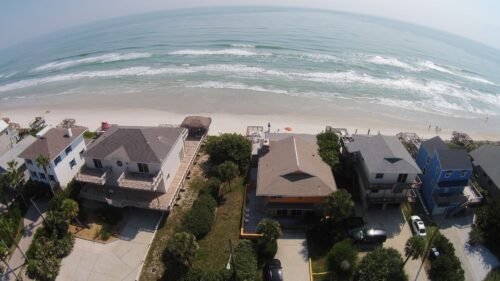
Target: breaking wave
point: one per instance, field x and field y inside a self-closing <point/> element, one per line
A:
<point x="227" y="52"/>
<point x="111" y="57"/>
<point x="390" y="61"/>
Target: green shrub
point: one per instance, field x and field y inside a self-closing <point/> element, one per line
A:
<point x="267" y="249"/>
<point x="494" y="275"/>
<point x="446" y="268"/>
<point x="213" y="186"/>
<point x="199" y="219"/>
<point x="245" y="261"/>
<point x="329" y="148"/>
<point x="105" y="232"/>
<point x="381" y="264"/>
<point x="230" y="147"/>
<point x="342" y="258"/>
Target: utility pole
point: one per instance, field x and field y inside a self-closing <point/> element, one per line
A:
<point x="232" y="259"/>
<point x="14" y="240"/>
<point x="429" y="245"/>
<point x="38" y="210"/>
<point x="9" y="268"/>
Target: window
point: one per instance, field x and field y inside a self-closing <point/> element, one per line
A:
<point x="34" y="175"/>
<point x="68" y="150"/>
<point x="423" y="171"/>
<point x="379" y="176"/>
<point x="374" y="191"/>
<point x="30" y="162"/>
<point x="168" y="176"/>
<point x="296" y="213"/>
<point x="42" y="176"/>
<point x="57" y="160"/>
<point x="143" y="168"/>
<point x="437" y="170"/>
<point x="181" y="154"/>
<point x="402" y="178"/>
<point x="447" y="174"/>
<point x="282" y="212"/>
<point x="51" y="178"/>
<point x="428" y="160"/>
<point x="97" y="163"/>
<point x="119" y="163"/>
<point x="81" y="153"/>
<point x="464" y="173"/>
<point x="72" y="163"/>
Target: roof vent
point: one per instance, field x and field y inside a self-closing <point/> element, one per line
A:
<point x="69" y="133"/>
<point x="392" y="160"/>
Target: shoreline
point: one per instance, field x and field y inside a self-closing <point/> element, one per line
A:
<point x="233" y="111"/>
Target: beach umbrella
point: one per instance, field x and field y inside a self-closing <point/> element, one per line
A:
<point x="289" y="129"/>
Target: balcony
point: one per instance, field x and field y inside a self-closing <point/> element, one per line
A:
<point x="445" y="200"/>
<point x="92" y="175"/>
<point x="389" y="196"/>
<point x="398" y="185"/>
<point x="140" y="181"/>
<point x="472" y="193"/>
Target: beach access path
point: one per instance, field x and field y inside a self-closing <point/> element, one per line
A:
<point x="32" y="221"/>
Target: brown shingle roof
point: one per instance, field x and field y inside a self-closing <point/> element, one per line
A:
<point x="196" y="122"/>
<point x="293" y="168"/>
<point x="135" y="144"/>
<point x="52" y="143"/>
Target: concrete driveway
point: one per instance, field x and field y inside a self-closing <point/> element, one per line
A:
<point x="292" y="252"/>
<point x="398" y="232"/>
<point x="118" y="260"/>
<point x="476" y="261"/>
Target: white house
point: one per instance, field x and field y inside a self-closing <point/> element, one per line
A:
<point x="133" y="166"/>
<point x="8" y="137"/>
<point x="13" y="155"/>
<point x="64" y="147"/>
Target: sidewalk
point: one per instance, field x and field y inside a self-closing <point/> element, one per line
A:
<point x="32" y="221"/>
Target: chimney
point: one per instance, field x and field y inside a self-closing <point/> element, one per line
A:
<point x="69" y="133"/>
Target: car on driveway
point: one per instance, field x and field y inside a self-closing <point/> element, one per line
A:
<point x="418" y="226"/>
<point x="273" y="271"/>
<point x="368" y="235"/>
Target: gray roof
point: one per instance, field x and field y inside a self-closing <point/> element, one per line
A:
<point x="293" y="168"/>
<point x="135" y="144"/>
<point x="434" y="143"/>
<point x="13" y="153"/>
<point x="383" y="154"/>
<point x="450" y="158"/>
<point x="52" y="143"/>
<point x="487" y="157"/>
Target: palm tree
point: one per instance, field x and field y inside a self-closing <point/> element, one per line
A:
<point x="414" y="248"/>
<point x="339" y="205"/>
<point x="15" y="178"/>
<point x="70" y="210"/>
<point x="182" y="248"/>
<point x="270" y="229"/>
<point x="44" y="162"/>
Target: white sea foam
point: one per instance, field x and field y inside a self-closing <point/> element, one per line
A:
<point x="7" y="75"/>
<point x="242" y="45"/>
<point x="111" y="57"/>
<point x="427" y="64"/>
<point x="226" y="52"/>
<point x="390" y="61"/>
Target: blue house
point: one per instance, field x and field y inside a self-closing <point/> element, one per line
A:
<point x="445" y="177"/>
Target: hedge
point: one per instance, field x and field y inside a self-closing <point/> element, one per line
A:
<point x="199" y="219"/>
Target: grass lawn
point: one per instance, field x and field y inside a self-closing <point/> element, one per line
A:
<point x="214" y="248"/>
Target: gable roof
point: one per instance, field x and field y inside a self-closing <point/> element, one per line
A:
<point x="383" y="154"/>
<point x="450" y="159"/>
<point x="135" y="144"/>
<point x="13" y="153"/>
<point x="434" y="143"/>
<point x="293" y="168"/>
<point x="486" y="156"/>
<point x="52" y="143"/>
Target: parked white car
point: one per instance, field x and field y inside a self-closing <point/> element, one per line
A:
<point x="418" y="226"/>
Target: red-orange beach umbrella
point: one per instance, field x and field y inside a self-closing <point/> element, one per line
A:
<point x="289" y="129"/>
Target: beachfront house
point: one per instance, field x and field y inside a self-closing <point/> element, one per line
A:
<point x="63" y="148"/>
<point x="386" y="174"/>
<point x="292" y="179"/>
<point x="446" y="187"/>
<point x="8" y="137"/>
<point x="134" y="166"/>
<point x="486" y="164"/>
<point x="13" y="155"/>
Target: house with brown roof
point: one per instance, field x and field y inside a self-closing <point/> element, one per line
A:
<point x="64" y="148"/>
<point x="292" y="178"/>
<point x="134" y="166"/>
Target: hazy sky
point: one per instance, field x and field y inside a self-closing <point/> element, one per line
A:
<point x="21" y="20"/>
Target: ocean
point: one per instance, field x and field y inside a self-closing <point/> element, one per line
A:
<point x="335" y="58"/>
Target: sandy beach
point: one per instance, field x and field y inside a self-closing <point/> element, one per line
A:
<point x="232" y="112"/>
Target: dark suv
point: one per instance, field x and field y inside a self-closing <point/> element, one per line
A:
<point x="273" y="271"/>
<point x="368" y="235"/>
